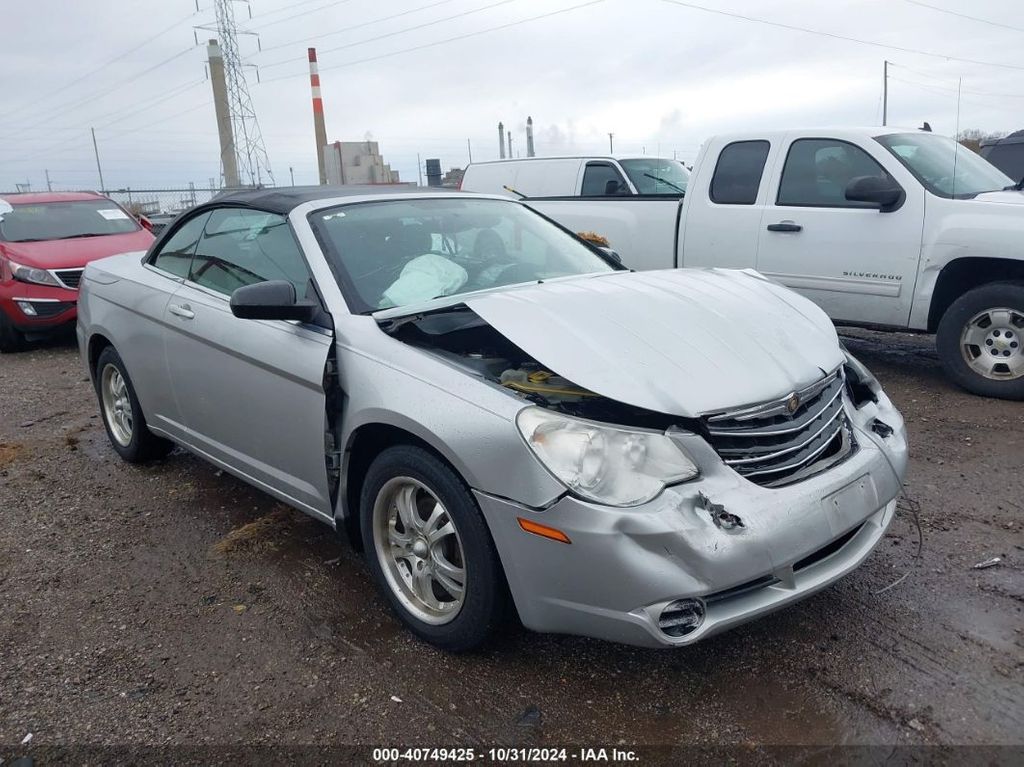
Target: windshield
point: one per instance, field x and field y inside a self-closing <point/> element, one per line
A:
<point x="652" y="175"/>
<point x="945" y="167"/>
<point x="64" y="220"/>
<point x="403" y="252"/>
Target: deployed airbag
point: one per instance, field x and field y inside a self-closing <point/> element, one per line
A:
<point x="425" y="277"/>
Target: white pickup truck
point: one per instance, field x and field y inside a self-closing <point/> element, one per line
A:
<point x="881" y="227"/>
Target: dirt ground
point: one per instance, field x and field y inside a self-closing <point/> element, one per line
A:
<point x="173" y="604"/>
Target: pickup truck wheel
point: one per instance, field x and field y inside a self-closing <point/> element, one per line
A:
<point x="122" y="414"/>
<point x="429" y="549"/>
<point x="981" y="340"/>
<point x="11" y="339"/>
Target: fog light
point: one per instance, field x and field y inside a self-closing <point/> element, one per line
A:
<point x="682" y="617"/>
<point x="27" y="308"/>
<point x="881" y="428"/>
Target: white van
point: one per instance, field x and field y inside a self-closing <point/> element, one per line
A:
<point x="584" y="176"/>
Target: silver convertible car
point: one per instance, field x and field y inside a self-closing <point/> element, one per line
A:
<point x="498" y="413"/>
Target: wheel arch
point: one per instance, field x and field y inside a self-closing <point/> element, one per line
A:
<point x="364" y="444"/>
<point x="964" y="274"/>
<point x="97" y="343"/>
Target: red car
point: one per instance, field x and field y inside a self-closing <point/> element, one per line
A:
<point x="45" y="242"/>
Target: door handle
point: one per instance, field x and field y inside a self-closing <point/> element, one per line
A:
<point x="184" y="311"/>
<point x="784" y="226"/>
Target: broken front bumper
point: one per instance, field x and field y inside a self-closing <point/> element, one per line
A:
<point x="623" y="567"/>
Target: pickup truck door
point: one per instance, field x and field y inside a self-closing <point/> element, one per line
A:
<point x="251" y="392"/>
<point x="855" y="262"/>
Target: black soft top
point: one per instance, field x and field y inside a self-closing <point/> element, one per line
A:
<point x="284" y="199"/>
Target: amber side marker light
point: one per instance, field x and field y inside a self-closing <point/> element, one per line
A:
<point x="543" y="530"/>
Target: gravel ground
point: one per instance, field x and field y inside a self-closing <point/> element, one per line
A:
<point x="172" y="604"/>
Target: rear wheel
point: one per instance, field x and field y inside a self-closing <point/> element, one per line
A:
<point x="11" y="339"/>
<point x="981" y="340"/>
<point x="429" y="549"/>
<point x="122" y="415"/>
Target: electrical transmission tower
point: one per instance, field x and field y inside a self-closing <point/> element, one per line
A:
<point x="250" y="151"/>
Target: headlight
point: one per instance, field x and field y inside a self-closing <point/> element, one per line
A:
<point x="606" y="464"/>
<point x="31" y="274"/>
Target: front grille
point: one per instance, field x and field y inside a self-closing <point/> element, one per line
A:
<point x="50" y="308"/>
<point x="70" y="277"/>
<point x="772" y="446"/>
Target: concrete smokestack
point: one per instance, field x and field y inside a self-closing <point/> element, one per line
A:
<point x="228" y="159"/>
<point x="510" y="145"/>
<point x="529" y="137"/>
<point x="501" y="141"/>
<point x="319" y="129"/>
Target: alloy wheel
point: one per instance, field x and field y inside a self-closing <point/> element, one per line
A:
<point x="117" y="405"/>
<point x="419" y="550"/>
<point x="991" y="344"/>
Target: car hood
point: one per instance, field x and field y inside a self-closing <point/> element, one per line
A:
<point x="1006" y="197"/>
<point x="681" y="341"/>
<point x="77" y="252"/>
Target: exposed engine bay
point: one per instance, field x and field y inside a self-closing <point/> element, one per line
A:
<point x="461" y="337"/>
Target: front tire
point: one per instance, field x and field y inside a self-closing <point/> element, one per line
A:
<point x="11" y="339"/>
<point x="122" y="415"/>
<point x="429" y="549"/>
<point x="980" y="340"/>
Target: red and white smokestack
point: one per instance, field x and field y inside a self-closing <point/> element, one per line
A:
<point x="319" y="129"/>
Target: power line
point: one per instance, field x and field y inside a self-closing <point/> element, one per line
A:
<point x="301" y="13"/>
<point x="950" y="80"/>
<point x="100" y="68"/>
<point x="449" y="39"/>
<point x="356" y="26"/>
<point x="399" y="31"/>
<point x="834" y="36"/>
<point x="965" y="16"/>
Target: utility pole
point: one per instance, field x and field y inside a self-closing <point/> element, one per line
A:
<point x="225" y="130"/>
<point x="510" y="145"/>
<point x="885" y="92"/>
<point x="291" y="172"/>
<point x="469" y="148"/>
<point x="49" y="188"/>
<point x="319" y="129"/>
<point x="501" y="142"/>
<point x="611" y="146"/>
<point x="419" y="169"/>
<point x="96" y="151"/>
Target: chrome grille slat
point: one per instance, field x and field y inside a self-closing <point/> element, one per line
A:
<point x="779" y="453"/>
<point x="768" y="444"/>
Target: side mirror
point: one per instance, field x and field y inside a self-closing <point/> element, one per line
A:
<point x="613" y="255"/>
<point x="271" y="300"/>
<point x="146" y="223"/>
<point x="613" y="187"/>
<point x="886" y="194"/>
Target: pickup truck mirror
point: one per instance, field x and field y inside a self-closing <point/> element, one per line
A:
<point x="613" y="255"/>
<point x="271" y="300"/>
<point x="886" y="194"/>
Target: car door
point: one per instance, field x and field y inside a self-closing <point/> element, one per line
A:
<point x="856" y="262"/>
<point x="723" y="206"/>
<point x="251" y="391"/>
<point x="143" y="340"/>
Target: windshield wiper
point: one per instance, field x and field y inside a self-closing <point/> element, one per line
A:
<point x="666" y="182"/>
<point x="1018" y="187"/>
<point x="76" y="236"/>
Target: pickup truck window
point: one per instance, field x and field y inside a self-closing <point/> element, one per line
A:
<point x="602" y="180"/>
<point x="654" y="176"/>
<point x="944" y="167"/>
<point x="817" y="171"/>
<point x="738" y="173"/>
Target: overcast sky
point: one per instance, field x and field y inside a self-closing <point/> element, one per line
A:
<point x="662" y="77"/>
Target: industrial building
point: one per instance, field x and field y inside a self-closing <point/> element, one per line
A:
<point x="357" y="162"/>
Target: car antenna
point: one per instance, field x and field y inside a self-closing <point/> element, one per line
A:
<point x="507" y="188"/>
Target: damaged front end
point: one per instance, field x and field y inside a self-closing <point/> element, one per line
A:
<point x="676" y="526"/>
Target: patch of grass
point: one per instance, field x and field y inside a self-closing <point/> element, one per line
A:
<point x="263" y="533"/>
<point x="10" y="452"/>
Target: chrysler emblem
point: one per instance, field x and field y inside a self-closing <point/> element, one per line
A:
<point x="792" y="404"/>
